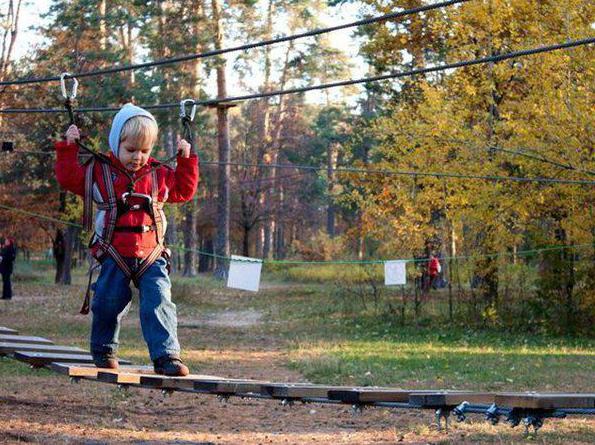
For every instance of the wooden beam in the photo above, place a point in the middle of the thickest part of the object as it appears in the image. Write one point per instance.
(370, 395)
(165, 382)
(229, 387)
(129, 376)
(39, 359)
(545, 400)
(9, 338)
(9, 348)
(449, 398)
(4, 330)
(84, 370)
(299, 390)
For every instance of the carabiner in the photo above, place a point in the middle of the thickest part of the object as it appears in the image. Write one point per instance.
(148, 199)
(75, 84)
(183, 104)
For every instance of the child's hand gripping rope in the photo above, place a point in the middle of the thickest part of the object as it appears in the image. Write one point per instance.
(72, 134)
(183, 147)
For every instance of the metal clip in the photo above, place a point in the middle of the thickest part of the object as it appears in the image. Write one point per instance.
(492, 414)
(127, 195)
(75, 84)
(183, 104)
(459, 411)
(357, 409)
(442, 413)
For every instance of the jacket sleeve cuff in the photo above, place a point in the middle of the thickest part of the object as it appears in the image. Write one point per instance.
(64, 145)
(190, 161)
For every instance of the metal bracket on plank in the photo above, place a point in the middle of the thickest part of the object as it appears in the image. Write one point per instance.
(442, 413)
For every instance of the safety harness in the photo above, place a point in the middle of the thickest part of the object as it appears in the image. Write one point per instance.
(115, 207)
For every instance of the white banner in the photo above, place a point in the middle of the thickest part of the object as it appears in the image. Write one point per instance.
(395, 272)
(244, 273)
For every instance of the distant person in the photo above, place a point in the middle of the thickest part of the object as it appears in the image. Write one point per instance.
(8, 254)
(433, 271)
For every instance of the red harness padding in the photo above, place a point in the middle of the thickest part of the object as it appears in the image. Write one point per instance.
(102, 243)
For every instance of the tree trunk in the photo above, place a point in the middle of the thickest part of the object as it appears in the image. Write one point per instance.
(331, 164)
(69, 239)
(222, 246)
(59, 252)
(171, 237)
(190, 239)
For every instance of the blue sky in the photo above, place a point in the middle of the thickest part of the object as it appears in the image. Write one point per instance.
(28, 39)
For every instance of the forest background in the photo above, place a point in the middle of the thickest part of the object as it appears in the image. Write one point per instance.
(515, 254)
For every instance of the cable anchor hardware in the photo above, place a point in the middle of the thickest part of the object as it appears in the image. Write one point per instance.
(183, 109)
(442, 413)
(460, 410)
(493, 414)
(75, 84)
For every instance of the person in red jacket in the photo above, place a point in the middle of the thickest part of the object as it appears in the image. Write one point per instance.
(129, 188)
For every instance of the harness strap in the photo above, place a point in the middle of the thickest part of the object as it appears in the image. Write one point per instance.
(112, 211)
(136, 229)
(88, 198)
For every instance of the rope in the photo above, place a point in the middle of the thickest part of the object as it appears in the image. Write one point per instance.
(394, 75)
(301, 262)
(372, 262)
(40, 216)
(173, 60)
(540, 158)
(414, 174)
(411, 173)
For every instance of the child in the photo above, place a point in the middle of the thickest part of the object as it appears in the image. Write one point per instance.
(129, 188)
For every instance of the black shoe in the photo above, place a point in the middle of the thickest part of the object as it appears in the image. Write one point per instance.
(171, 366)
(105, 361)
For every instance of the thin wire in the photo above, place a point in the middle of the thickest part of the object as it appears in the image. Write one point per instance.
(410, 173)
(371, 262)
(298, 262)
(39, 216)
(394, 75)
(540, 158)
(173, 60)
(415, 174)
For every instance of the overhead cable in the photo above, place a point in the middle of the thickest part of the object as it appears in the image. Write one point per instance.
(414, 174)
(297, 90)
(218, 52)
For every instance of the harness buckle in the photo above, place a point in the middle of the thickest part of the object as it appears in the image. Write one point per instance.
(148, 200)
(75, 84)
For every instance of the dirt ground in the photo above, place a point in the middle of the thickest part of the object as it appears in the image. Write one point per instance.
(42, 407)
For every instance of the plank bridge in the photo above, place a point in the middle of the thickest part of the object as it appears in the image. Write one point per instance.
(527, 408)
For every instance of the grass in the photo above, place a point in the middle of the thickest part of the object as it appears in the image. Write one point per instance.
(332, 339)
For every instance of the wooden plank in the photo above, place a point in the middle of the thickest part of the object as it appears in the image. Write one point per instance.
(370, 395)
(38, 359)
(84, 370)
(130, 376)
(5, 330)
(545, 400)
(450, 398)
(299, 390)
(229, 387)
(25, 339)
(9, 348)
(165, 382)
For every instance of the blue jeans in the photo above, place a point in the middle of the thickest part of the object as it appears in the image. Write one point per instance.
(157, 312)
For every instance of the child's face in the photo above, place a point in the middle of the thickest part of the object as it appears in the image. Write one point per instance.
(134, 154)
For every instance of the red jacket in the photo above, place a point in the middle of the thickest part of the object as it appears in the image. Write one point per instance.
(174, 186)
(434, 266)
